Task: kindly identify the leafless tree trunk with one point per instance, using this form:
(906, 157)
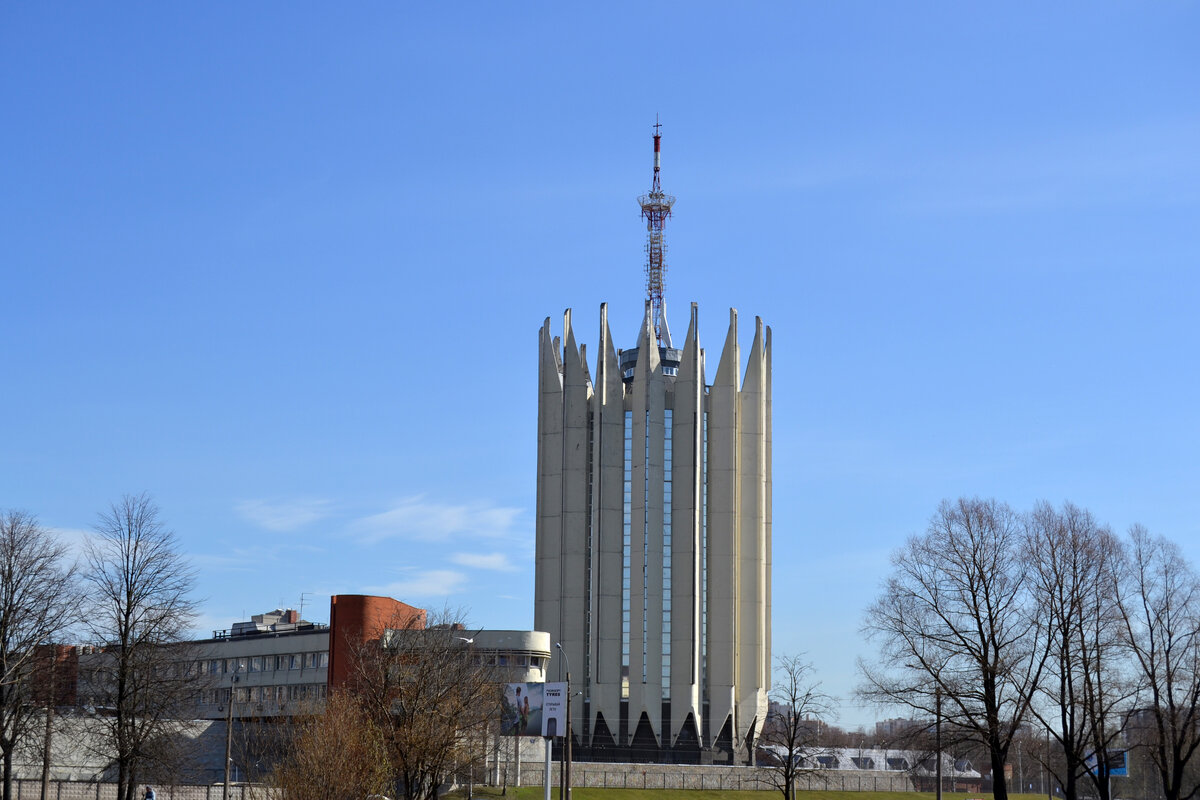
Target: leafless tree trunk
(141, 610)
(790, 732)
(1160, 608)
(428, 691)
(38, 599)
(955, 620)
(1076, 567)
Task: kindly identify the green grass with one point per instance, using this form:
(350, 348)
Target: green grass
(580, 793)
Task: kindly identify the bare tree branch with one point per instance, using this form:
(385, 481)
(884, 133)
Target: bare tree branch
(790, 738)
(141, 611)
(956, 628)
(38, 602)
(1160, 614)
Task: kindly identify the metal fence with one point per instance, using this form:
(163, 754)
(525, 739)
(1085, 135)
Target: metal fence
(78, 790)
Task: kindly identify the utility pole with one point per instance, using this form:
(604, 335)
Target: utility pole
(229, 734)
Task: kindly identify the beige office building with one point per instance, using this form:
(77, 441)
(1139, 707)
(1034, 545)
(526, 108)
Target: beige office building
(654, 540)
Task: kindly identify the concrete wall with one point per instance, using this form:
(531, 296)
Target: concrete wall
(677, 776)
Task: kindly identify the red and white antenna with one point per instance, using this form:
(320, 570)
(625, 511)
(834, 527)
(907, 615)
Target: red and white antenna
(656, 209)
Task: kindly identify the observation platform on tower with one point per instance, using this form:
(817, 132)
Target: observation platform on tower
(669, 356)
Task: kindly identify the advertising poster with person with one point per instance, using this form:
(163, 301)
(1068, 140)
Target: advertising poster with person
(521, 709)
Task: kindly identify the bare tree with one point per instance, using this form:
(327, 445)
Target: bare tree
(140, 587)
(957, 639)
(1160, 608)
(1075, 569)
(429, 693)
(790, 733)
(337, 754)
(38, 599)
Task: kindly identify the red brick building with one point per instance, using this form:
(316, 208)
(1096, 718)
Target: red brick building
(355, 620)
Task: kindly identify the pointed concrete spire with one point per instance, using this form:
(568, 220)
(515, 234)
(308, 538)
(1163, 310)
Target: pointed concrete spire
(648, 358)
(664, 331)
(608, 370)
(689, 366)
(550, 365)
(755, 365)
(570, 349)
(727, 367)
(587, 375)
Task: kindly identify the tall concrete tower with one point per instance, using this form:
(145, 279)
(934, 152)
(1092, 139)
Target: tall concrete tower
(654, 532)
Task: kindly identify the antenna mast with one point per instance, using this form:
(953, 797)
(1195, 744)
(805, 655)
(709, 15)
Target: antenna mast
(656, 209)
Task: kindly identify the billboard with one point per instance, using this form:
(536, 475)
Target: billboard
(521, 709)
(554, 712)
(1115, 764)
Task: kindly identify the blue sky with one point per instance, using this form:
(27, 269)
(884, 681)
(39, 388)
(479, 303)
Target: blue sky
(283, 266)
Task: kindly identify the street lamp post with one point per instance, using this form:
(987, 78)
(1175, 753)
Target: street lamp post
(229, 729)
(566, 781)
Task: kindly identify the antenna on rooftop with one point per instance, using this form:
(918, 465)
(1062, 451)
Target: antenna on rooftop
(656, 209)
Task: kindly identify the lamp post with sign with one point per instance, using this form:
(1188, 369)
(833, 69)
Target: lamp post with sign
(566, 782)
(554, 722)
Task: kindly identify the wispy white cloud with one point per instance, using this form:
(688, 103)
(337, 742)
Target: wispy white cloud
(493, 561)
(249, 558)
(434, 583)
(74, 539)
(287, 515)
(418, 519)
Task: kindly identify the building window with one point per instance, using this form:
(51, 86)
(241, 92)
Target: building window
(256, 664)
(295, 661)
(627, 522)
(668, 466)
(645, 541)
(704, 559)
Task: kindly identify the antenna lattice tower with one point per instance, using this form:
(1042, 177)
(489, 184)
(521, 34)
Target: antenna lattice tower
(656, 209)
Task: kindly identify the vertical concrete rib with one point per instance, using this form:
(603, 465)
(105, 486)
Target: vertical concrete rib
(686, 438)
(608, 426)
(766, 659)
(549, 489)
(752, 498)
(647, 399)
(573, 567)
(723, 532)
